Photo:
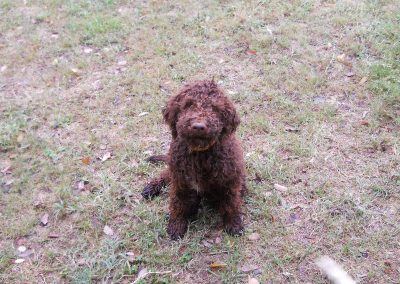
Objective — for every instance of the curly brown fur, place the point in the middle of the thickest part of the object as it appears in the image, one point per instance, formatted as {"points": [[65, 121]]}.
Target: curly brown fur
{"points": [[205, 158]]}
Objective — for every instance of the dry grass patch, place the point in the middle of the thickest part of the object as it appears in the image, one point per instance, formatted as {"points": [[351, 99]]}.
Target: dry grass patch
{"points": [[82, 84]]}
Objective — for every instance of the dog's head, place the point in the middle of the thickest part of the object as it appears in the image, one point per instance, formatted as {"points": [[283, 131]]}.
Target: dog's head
{"points": [[201, 114]]}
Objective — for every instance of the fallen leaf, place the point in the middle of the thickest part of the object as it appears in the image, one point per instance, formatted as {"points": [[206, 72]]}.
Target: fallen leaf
{"points": [[106, 156], [363, 80], [280, 187], [342, 59], [108, 231], [364, 122], [251, 52], [130, 256], [142, 273], [19, 260], [44, 219], [20, 138], [53, 236], [217, 265], [254, 237], [253, 281], [86, 160], [76, 71]]}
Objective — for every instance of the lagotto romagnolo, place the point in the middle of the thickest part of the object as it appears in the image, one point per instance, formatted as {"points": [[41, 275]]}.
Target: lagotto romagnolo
{"points": [[205, 159]]}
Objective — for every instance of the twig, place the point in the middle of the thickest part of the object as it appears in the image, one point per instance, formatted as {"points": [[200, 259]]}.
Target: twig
{"points": [[218, 252], [330, 63], [148, 273]]}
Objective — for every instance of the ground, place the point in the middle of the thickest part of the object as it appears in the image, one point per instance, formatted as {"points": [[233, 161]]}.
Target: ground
{"points": [[82, 85]]}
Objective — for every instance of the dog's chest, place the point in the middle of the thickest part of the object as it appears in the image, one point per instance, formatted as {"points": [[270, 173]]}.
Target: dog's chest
{"points": [[196, 186]]}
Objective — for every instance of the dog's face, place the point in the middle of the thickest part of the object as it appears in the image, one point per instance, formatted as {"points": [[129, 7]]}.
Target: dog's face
{"points": [[201, 115]]}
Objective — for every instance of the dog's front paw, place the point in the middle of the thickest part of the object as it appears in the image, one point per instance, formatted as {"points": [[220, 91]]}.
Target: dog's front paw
{"points": [[235, 227], [177, 228]]}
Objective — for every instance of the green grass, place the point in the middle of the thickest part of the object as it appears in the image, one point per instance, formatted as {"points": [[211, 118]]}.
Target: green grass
{"points": [[308, 122]]}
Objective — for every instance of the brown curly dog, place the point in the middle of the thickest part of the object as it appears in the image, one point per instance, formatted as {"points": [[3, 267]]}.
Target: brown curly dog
{"points": [[205, 158]]}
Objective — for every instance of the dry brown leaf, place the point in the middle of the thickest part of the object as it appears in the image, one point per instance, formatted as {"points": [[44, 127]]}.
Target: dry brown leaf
{"points": [[106, 156], [20, 138], [53, 236], [363, 80], [44, 219], [108, 231], [86, 160], [251, 52], [217, 265], [364, 122], [342, 59], [254, 237]]}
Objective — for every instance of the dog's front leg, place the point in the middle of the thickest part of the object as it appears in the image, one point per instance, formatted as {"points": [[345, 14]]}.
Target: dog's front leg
{"points": [[183, 205], [230, 210]]}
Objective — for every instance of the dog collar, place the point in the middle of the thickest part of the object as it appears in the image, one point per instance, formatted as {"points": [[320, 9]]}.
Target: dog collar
{"points": [[202, 149]]}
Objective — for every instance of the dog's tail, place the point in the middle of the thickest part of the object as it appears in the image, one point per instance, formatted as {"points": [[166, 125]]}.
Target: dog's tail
{"points": [[157, 159]]}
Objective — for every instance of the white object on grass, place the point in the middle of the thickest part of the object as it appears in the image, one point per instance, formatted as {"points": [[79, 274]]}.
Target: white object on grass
{"points": [[334, 271]]}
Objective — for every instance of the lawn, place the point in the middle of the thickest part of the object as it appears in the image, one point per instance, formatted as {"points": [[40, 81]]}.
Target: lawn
{"points": [[82, 85]]}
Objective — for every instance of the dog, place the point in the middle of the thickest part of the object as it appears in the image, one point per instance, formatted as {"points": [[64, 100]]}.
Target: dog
{"points": [[205, 159]]}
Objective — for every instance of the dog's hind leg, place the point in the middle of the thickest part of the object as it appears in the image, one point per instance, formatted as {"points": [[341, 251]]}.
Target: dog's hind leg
{"points": [[154, 187]]}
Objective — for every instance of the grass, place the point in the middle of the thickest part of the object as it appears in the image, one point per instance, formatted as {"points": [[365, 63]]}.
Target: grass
{"points": [[76, 75]]}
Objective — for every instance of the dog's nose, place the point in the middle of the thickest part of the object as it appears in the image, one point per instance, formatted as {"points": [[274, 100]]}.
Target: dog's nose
{"points": [[199, 126]]}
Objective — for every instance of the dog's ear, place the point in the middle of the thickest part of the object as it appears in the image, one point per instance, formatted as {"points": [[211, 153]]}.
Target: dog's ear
{"points": [[230, 118], [171, 111]]}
